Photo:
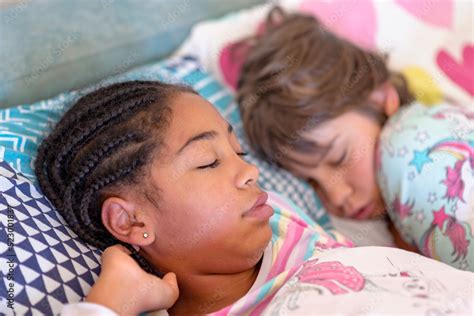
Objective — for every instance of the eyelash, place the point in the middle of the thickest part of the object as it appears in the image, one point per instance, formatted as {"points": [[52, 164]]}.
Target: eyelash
{"points": [[217, 162], [342, 159]]}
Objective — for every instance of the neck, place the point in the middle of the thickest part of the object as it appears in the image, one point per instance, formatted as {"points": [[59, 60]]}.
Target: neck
{"points": [[203, 294]]}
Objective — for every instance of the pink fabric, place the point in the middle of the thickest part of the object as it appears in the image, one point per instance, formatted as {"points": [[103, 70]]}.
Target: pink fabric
{"points": [[231, 60], [462, 72], [438, 13], [344, 18]]}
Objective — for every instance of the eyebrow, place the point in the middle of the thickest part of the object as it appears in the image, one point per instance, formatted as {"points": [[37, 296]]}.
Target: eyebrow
{"points": [[208, 135]]}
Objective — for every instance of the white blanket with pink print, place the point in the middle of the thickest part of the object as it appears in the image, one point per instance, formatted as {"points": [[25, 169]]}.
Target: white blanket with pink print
{"points": [[374, 281]]}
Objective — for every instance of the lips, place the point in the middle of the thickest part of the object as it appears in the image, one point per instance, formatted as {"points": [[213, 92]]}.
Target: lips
{"points": [[260, 209], [364, 212]]}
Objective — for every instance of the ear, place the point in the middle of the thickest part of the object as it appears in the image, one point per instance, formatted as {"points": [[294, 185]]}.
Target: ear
{"points": [[386, 96], [126, 222], [275, 17]]}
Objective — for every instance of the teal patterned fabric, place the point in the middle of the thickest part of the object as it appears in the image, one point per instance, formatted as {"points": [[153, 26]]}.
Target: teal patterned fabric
{"points": [[426, 175], [23, 128]]}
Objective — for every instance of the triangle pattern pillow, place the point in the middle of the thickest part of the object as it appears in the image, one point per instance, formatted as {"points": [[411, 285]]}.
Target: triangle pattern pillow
{"points": [[43, 263]]}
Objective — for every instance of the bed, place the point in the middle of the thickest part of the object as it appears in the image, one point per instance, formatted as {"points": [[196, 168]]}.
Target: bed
{"points": [[78, 46]]}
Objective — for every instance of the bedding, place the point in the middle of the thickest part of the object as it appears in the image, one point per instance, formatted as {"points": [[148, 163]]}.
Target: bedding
{"points": [[441, 69], [368, 232], [374, 281], [43, 263], [426, 175], [51, 265], [433, 45]]}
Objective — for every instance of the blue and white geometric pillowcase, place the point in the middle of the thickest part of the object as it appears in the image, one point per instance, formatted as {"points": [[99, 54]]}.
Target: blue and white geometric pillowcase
{"points": [[23, 127], [43, 263], [426, 175]]}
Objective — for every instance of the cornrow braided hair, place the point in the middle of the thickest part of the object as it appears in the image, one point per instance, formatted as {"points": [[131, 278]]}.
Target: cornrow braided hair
{"points": [[104, 142]]}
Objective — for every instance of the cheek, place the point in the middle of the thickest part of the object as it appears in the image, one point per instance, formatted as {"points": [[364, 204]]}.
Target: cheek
{"points": [[362, 171], [197, 218], [324, 200]]}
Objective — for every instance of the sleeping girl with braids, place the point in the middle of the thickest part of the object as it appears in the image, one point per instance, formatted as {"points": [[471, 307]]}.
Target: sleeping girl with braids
{"points": [[152, 174]]}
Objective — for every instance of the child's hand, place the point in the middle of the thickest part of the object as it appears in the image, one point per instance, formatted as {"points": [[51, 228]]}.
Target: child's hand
{"points": [[127, 289]]}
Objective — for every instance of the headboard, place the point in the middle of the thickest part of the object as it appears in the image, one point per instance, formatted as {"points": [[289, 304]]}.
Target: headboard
{"points": [[52, 46]]}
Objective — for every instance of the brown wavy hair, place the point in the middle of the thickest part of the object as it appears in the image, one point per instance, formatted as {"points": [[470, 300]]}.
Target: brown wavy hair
{"points": [[296, 75]]}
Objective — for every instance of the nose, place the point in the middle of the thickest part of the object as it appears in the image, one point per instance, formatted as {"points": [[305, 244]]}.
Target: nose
{"points": [[248, 174]]}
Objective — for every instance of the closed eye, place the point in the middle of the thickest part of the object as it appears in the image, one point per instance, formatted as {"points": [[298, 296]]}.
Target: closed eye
{"points": [[211, 165], [216, 162], [341, 160]]}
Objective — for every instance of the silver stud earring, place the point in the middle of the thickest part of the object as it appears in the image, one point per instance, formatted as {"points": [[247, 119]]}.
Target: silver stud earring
{"points": [[145, 235]]}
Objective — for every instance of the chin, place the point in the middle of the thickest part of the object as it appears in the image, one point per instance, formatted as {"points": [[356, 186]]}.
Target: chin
{"points": [[256, 257], [267, 234], [379, 213], [258, 242]]}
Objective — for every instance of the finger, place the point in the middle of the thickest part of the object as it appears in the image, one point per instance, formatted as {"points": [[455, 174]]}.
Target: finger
{"points": [[168, 290], [170, 278], [123, 249], [114, 251], [118, 248]]}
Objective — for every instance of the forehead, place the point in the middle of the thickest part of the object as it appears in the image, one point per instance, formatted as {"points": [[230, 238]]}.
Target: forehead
{"points": [[312, 144], [191, 114], [324, 132]]}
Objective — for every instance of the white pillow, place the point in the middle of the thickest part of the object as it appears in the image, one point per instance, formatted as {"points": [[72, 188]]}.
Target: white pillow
{"points": [[208, 38]]}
